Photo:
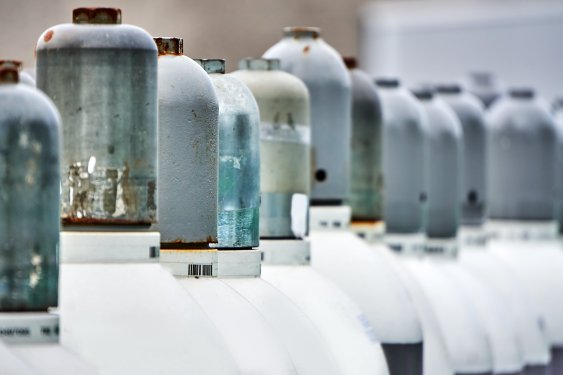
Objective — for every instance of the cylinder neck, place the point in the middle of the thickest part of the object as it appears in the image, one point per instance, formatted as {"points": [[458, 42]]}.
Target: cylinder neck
{"points": [[212, 66], [251, 63], [96, 16], [16, 64], [302, 32], [9, 75], [521, 93], [350, 62], [423, 94], [448, 88], [169, 46], [387, 82]]}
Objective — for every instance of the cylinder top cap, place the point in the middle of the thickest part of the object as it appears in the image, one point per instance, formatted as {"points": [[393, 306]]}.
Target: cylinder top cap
{"points": [[387, 82], [448, 88], [99, 16], [169, 46], [259, 63], [302, 31], [350, 62], [16, 64], [212, 65], [9, 74], [521, 93], [482, 78], [423, 93]]}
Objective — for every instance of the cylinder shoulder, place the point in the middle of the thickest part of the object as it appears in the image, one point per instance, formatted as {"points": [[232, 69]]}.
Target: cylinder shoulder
{"points": [[95, 36], [233, 94], [27, 103], [273, 83]]}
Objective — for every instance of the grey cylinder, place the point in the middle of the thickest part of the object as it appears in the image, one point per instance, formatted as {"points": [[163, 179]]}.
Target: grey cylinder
{"points": [[443, 166], [522, 158], [484, 85], [366, 177], [239, 159], [187, 148], [558, 119], [404, 147], [29, 202], [102, 76], [285, 169], [470, 113], [304, 53]]}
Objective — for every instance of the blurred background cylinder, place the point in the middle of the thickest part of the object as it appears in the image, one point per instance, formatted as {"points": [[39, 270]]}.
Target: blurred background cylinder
{"points": [[102, 76], [471, 116], [485, 86], [285, 169], [366, 178], [239, 159], [29, 202], [404, 148], [443, 166], [522, 158], [188, 114], [304, 53]]}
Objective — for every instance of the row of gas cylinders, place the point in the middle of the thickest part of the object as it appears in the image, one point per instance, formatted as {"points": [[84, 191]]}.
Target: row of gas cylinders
{"points": [[188, 244]]}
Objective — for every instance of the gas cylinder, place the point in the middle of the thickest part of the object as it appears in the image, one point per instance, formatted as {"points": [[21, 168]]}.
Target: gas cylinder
{"points": [[522, 158], [286, 265], [366, 178], [114, 292], [107, 177], [30, 138], [304, 53], [285, 172]]}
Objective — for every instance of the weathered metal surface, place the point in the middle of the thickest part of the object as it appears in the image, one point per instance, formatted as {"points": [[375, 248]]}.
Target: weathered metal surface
{"points": [[29, 196], [304, 53], [102, 77], [188, 141], [239, 159], [285, 169]]}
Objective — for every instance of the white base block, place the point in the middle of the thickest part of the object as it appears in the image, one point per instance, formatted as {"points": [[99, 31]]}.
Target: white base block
{"points": [[132, 317], [368, 231], [286, 252], [212, 263]]}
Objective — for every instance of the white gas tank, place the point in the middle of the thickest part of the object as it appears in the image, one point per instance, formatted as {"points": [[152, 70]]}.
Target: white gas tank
{"points": [[255, 311], [125, 314], [340, 321], [527, 320], [369, 281]]}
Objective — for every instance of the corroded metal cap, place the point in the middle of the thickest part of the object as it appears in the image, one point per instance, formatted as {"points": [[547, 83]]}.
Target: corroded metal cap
{"points": [[521, 93], [99, 16], [302, 31], [350, 62], [16, 64], [9, 74], [212, 65], [259, 63], [448, 88], [387, 82], [169, 46]]}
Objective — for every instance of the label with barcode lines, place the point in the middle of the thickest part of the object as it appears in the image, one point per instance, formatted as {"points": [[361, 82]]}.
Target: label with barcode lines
{"points": [[200, 270]]}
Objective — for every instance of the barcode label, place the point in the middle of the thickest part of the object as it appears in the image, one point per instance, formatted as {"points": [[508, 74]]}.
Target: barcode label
{"points": [[200, 270]]}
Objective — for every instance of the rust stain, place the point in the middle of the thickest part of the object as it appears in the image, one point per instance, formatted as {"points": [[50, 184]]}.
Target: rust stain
{"points": [[306, 49], [105, 221], [48, 36]]}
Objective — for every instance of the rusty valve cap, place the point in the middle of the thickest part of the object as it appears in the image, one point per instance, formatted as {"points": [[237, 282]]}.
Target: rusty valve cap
{"points": [[99, 16], [212, 65], [9, 74], [350, 62], [169, 46], [259, 63], [302, 31], [16, 64]]}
